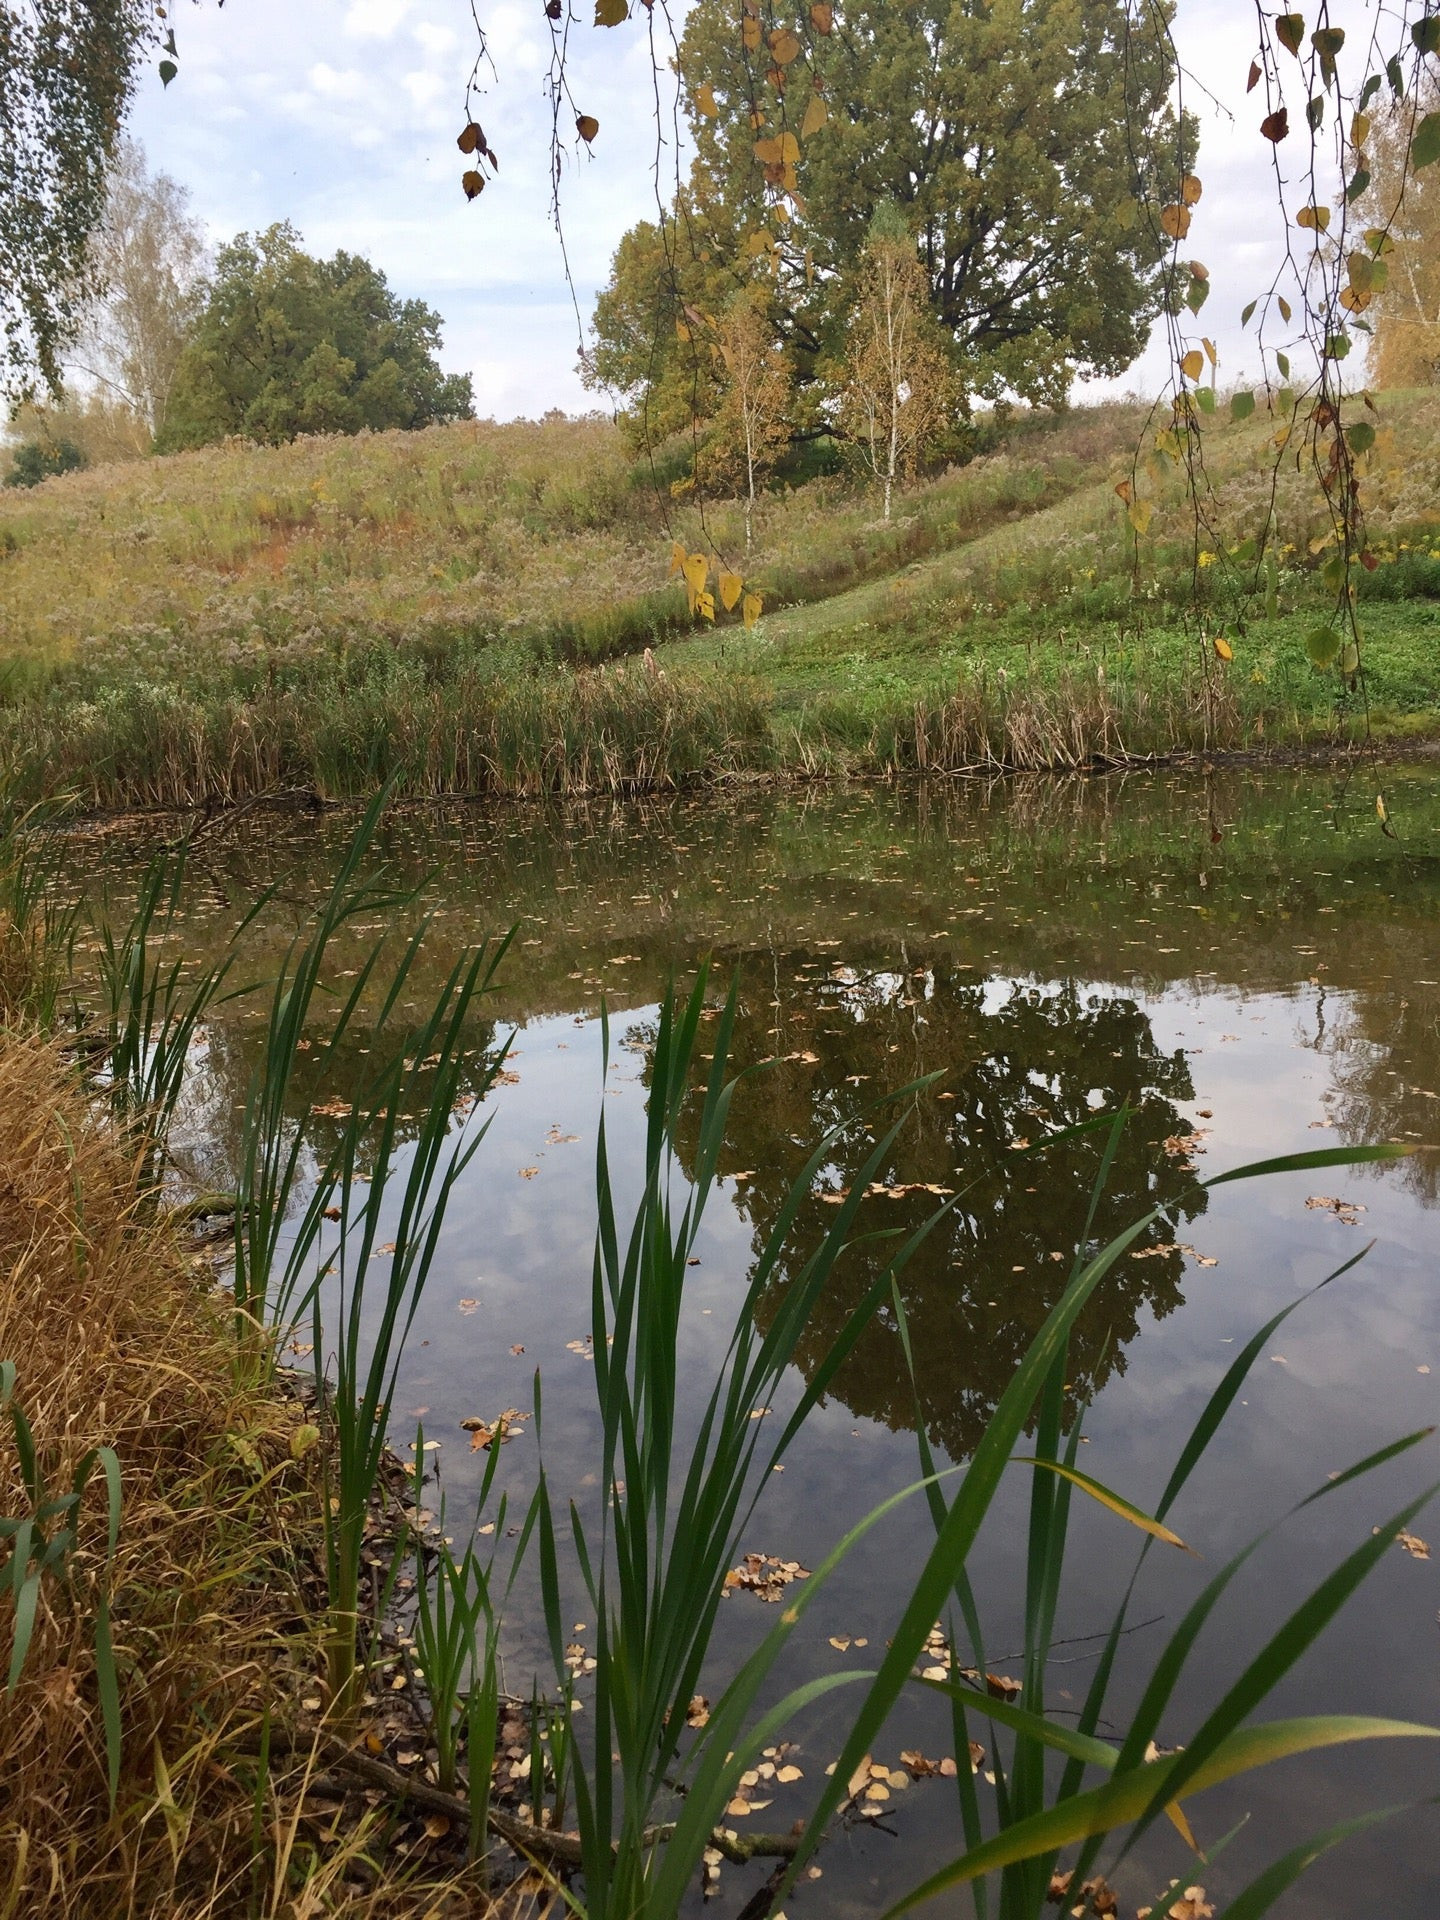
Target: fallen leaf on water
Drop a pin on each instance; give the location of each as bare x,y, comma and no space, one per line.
468,1306
1411,1542
1192,1905
1090,1897
765,1576
697,1714
517,1349
528,1173
1345,1211
785,1775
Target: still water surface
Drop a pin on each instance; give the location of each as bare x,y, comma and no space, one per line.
1243,960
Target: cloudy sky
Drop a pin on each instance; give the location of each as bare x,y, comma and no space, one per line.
341,116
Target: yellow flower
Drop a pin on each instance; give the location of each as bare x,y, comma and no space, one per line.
1205,560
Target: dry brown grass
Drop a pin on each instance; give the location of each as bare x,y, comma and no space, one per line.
117,1341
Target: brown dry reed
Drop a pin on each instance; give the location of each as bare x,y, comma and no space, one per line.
118,1341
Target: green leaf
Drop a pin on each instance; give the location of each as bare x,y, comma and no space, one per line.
1349,659
1282,361
1425,147
1426,34
1242,405
1322,644
1357,184
1118,1802
1205,399
1290,31
1315,112
168,71
1114,1501
1361,436
1248,312
1368,92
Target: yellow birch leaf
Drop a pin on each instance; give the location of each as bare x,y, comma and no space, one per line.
1315,218
587,126
816,114
705,605
784,46
822,16
1139,512
750,33
1210,354
731,586
1123,488
678,557
705,102
1175,221
767,151
1192,364
1223,648
610,13
1190,190
696,569
751,608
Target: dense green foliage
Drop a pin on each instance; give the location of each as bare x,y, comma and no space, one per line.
288,344
1018,139
37,460
67,71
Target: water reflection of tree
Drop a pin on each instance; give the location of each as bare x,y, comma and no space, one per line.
1020,1061
1382,1052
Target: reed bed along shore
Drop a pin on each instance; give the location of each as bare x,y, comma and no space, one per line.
626,729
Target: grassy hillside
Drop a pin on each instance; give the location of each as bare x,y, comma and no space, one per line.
241,620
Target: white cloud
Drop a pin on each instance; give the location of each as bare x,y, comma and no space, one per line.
375,19
334,84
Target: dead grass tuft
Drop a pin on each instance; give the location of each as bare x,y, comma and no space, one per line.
117,1341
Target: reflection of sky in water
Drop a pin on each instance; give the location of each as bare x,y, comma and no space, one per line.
1343,1378
1040,946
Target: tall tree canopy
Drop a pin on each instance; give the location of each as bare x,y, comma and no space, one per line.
67,72
288,344
1020,139
150,260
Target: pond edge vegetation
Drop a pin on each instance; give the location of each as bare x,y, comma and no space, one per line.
188,1651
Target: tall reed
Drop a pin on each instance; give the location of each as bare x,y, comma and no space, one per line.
674,1508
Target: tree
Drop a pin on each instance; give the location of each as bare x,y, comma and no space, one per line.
750,426
1018,138
40,459
149,260
287,344
68,69
1405,346
897,381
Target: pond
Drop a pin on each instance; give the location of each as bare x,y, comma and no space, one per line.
1243,959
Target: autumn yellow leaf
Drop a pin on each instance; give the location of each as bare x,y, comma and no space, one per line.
696,570
1123,488
1315,218
705,102
587,126
1210,353
705,605
1192,364
678,557
750,33
1139,512
784,46
777,149
731,587
822,16
816,114
1175,220
1223,648
751,608
1190,190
